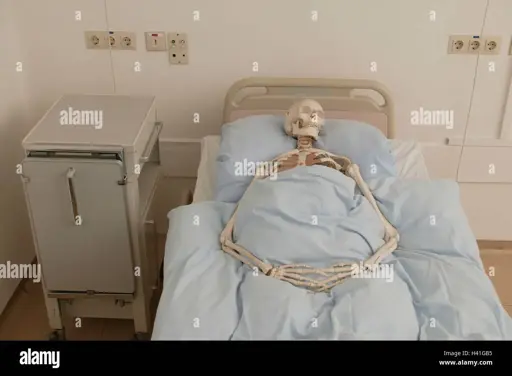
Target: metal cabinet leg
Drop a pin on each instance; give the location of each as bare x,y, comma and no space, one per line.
140,306
54,319
141,337
57,335
54,313
141,316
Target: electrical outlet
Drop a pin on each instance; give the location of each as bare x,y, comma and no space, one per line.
458,44
492,45
178,48
122,40
96,40
156,41
475,44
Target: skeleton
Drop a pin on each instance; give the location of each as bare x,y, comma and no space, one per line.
304,121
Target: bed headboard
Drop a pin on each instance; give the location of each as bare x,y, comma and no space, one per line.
340,98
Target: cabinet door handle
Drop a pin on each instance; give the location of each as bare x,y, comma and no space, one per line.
77,219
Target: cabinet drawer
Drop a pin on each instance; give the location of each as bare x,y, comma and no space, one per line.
486,165
501,263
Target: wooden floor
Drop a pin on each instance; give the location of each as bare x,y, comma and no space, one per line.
25,316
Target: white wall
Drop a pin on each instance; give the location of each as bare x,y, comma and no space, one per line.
399,35
409,49
15,240
490,94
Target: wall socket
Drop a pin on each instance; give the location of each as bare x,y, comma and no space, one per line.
105,40
474,44
96,40
178,48
492,45
458,44
122,40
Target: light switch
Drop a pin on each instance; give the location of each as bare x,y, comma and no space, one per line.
156,41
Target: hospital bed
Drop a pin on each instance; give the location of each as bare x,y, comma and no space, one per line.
439,289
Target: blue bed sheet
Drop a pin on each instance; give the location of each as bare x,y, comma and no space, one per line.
435,287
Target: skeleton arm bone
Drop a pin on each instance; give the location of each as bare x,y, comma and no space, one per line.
226,236
391,236
352,170
228,246
354,173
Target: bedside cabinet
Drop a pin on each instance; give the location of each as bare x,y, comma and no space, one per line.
90,171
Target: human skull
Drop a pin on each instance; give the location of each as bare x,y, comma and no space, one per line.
304,118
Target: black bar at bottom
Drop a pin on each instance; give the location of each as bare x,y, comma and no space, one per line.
145,355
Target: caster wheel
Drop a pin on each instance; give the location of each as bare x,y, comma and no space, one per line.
57,335
140,337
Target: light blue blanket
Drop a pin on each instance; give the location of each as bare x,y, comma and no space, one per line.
435,287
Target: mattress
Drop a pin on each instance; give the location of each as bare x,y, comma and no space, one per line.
409,160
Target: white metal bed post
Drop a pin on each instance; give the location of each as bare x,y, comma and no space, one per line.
326,83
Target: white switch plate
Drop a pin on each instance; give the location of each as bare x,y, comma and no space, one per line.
96,40
156,41
178,48
122,40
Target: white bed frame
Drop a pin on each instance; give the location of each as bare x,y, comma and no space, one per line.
340,98
361,100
